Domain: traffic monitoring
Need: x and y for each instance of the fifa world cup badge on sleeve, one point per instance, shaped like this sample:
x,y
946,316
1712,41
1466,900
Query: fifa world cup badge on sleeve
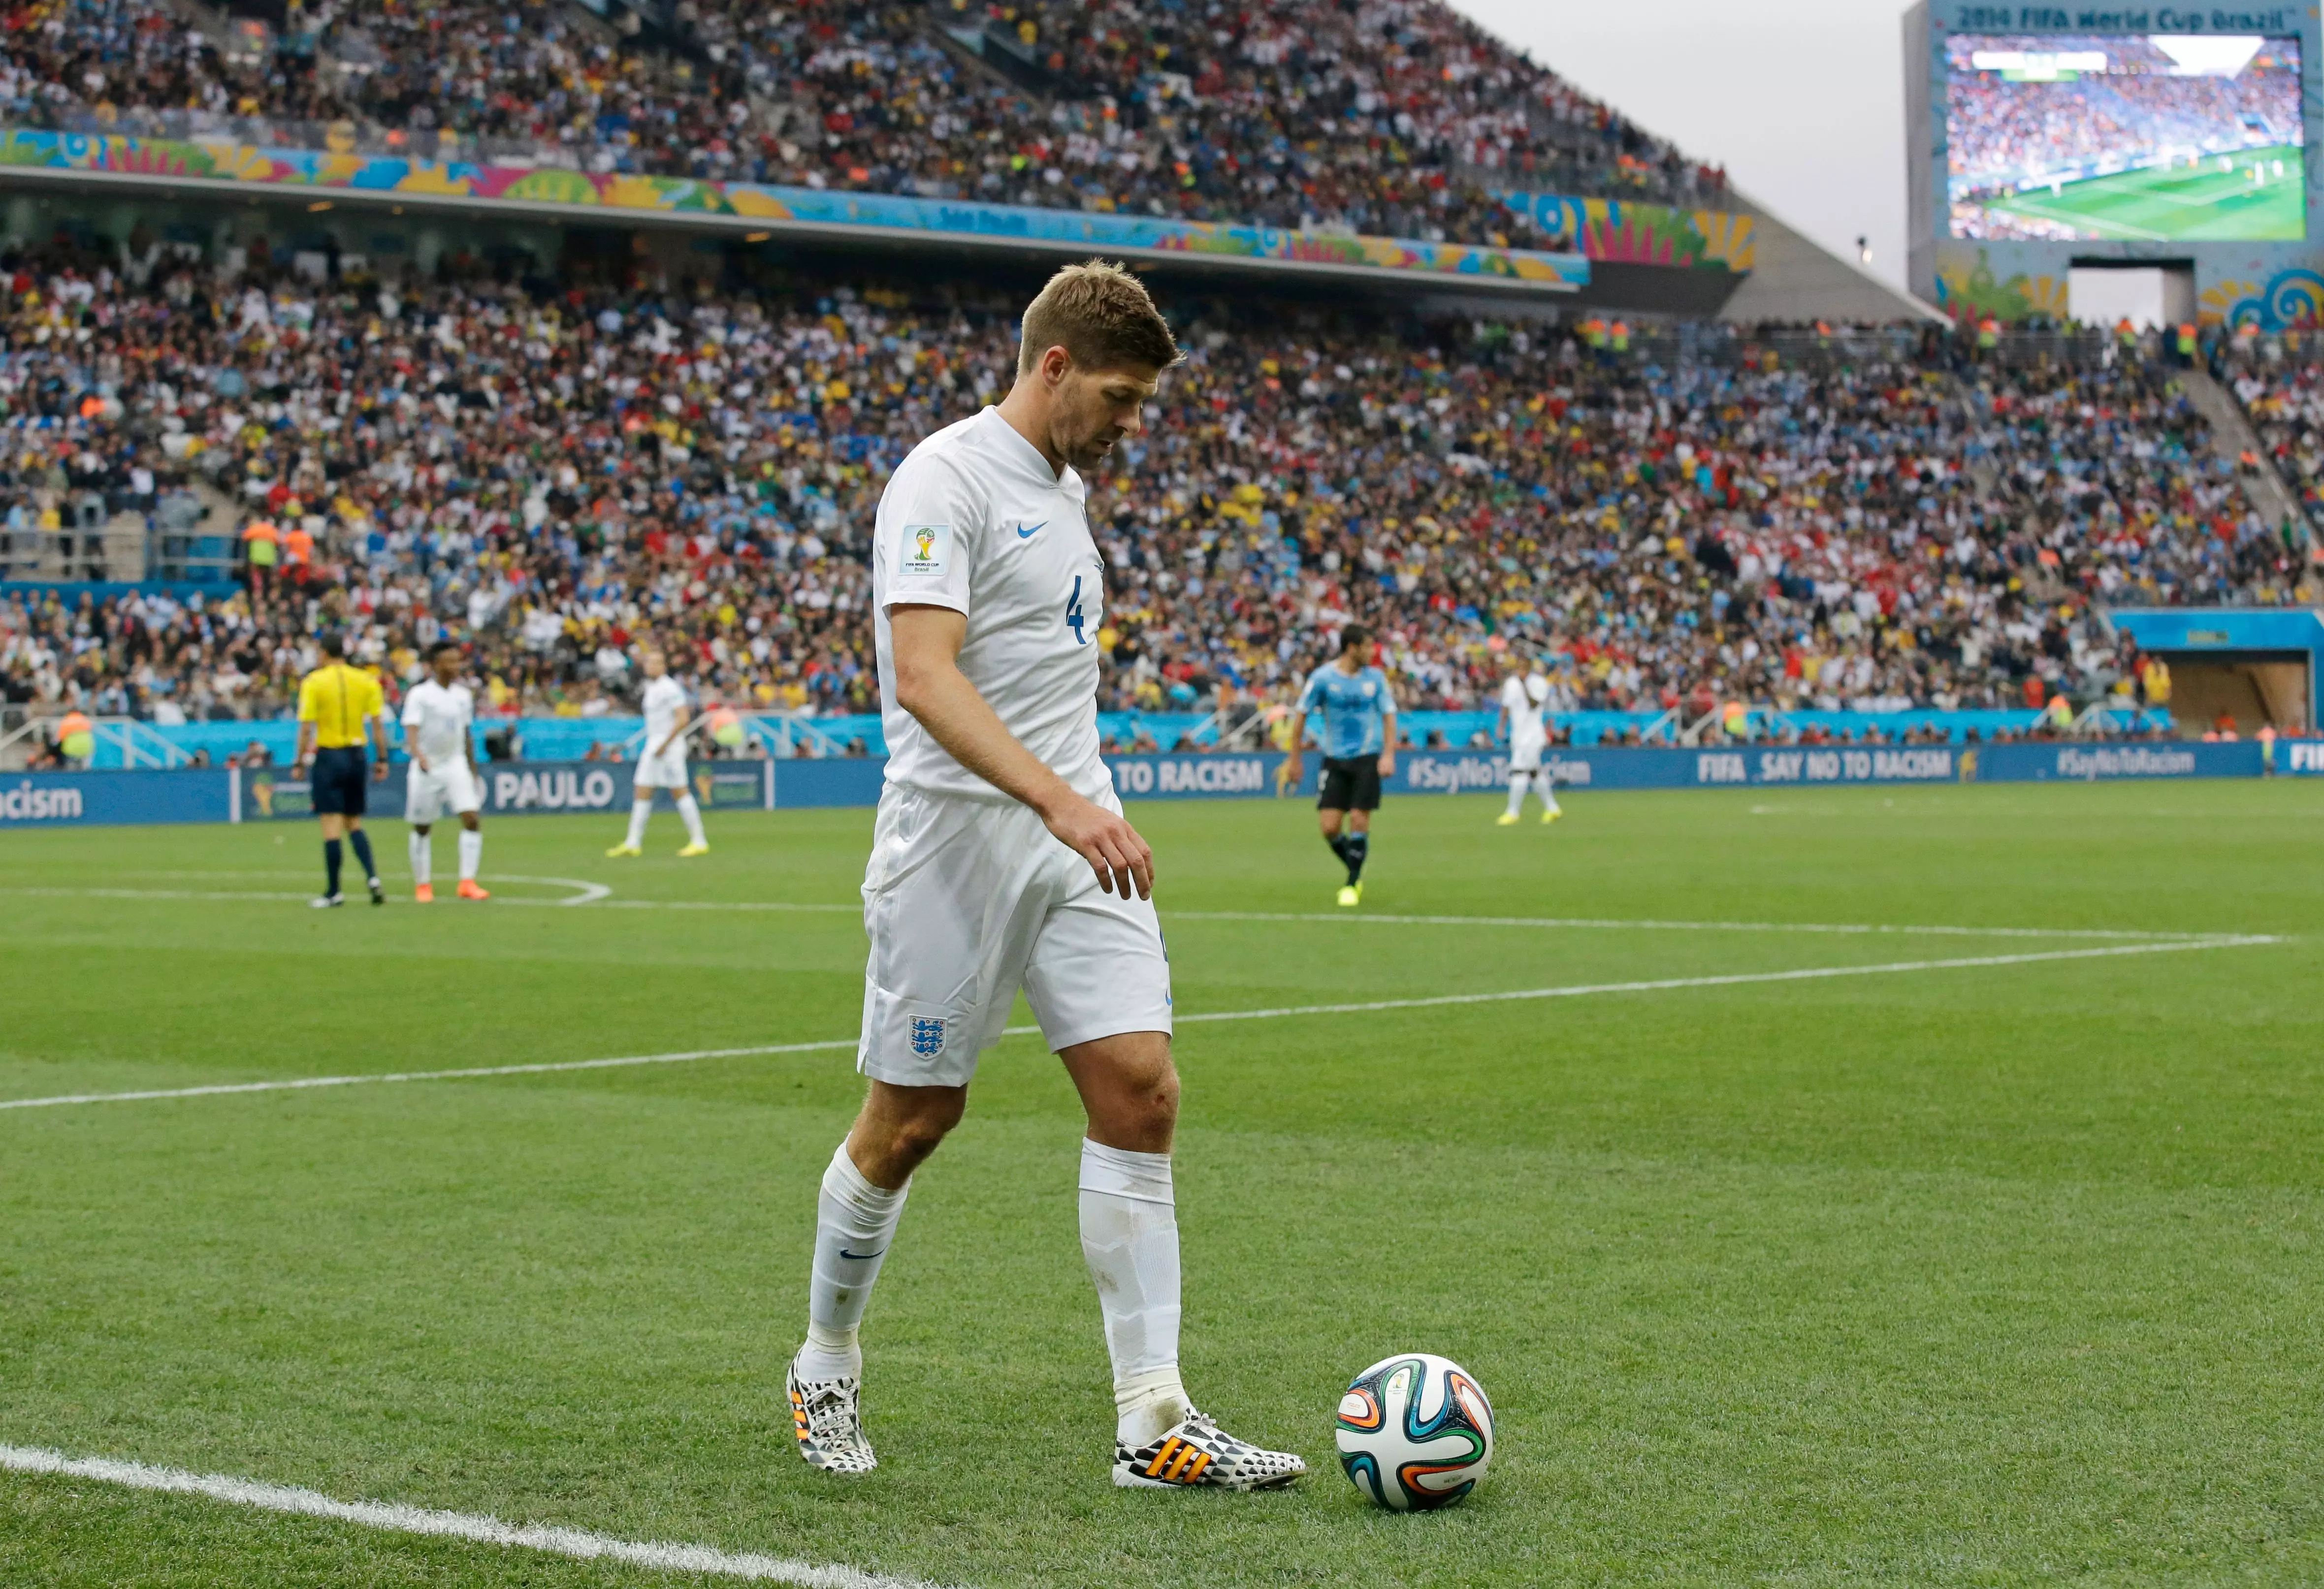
x,y
927,548
927,1034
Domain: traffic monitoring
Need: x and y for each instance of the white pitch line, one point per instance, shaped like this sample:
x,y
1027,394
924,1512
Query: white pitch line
x,y
1664,985
577,1543
1594,924
1600,923
596,901
682,1057
1576,990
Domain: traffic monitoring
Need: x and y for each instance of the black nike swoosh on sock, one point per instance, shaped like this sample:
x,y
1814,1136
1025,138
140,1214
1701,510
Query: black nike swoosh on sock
x,y
859,1256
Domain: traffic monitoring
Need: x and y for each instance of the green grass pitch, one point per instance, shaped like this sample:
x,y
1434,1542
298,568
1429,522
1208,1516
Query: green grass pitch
x,y
1987,1275
2182,203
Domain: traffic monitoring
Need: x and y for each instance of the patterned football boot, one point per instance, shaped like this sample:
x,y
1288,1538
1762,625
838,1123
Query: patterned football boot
x,y
827,1417
1199,1453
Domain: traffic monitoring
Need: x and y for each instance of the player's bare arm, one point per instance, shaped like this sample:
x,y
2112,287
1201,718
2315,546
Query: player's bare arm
x,y
379,748
676,731
305,751
930,685
1387,741
1299,743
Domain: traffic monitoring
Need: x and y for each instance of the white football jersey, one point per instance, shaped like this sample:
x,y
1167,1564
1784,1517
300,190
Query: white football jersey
x,y
1523,698
665,698
436,720
974,520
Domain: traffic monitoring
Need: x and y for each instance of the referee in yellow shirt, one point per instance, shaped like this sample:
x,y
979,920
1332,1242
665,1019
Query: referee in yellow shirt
x,y
336,701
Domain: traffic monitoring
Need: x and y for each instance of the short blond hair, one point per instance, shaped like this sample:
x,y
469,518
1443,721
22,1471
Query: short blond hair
x,y
1101,315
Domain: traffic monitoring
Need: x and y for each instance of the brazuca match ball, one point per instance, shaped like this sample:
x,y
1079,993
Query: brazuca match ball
x,y
1415,1432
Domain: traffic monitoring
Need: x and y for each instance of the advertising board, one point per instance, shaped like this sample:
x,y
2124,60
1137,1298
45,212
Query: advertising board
x,y
37,800
67,800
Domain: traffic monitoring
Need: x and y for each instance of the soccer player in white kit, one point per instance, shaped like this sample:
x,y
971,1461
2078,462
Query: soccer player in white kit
x,y
663,764
1525,694
1001,860
437,715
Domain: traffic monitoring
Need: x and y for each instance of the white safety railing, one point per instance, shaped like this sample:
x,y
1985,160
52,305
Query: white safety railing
x,y
785,734
136,744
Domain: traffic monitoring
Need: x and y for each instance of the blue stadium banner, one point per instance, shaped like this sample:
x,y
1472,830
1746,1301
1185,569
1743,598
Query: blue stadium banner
x,y
513,788
1457,772
31,799
802,782
119,799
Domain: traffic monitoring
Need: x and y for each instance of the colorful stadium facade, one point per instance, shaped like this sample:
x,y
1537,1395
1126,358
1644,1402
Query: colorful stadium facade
x,y
1997,222
1702,243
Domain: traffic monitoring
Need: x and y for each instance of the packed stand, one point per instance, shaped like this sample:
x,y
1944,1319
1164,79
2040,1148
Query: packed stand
x,y
1394,117
60,59
555,480
2275,377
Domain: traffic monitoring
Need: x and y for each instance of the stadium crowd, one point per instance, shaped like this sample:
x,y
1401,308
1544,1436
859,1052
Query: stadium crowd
x,y
2277,380
1394,117
558,479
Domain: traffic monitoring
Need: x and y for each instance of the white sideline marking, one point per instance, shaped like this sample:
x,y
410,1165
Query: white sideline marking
x,y
577,1543
681,1058
1576,990
1595,923
1811,973
599,900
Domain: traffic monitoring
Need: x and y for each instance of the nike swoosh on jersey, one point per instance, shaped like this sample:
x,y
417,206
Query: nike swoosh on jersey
x,y
1027,534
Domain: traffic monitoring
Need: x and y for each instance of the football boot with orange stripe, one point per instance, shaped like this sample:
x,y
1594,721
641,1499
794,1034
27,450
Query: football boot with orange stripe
x,y
1199,1453
827,1415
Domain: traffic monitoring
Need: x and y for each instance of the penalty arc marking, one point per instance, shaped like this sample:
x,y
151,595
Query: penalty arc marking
x,y
1437,1001
393,1518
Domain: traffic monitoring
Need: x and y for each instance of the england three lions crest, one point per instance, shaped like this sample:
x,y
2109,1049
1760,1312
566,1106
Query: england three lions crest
x,y
927,1034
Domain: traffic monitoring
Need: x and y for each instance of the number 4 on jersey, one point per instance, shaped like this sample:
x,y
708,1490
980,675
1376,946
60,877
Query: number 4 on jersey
x,y
1073,619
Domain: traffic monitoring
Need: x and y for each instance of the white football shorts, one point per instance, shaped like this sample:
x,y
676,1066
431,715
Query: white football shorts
x,y
968,900
666,771
1525,755
445,789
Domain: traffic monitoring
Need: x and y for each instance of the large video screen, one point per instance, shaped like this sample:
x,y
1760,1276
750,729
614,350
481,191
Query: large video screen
x,y
2065,137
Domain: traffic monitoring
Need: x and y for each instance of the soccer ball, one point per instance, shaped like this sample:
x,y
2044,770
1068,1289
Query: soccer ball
x,y
1415,1432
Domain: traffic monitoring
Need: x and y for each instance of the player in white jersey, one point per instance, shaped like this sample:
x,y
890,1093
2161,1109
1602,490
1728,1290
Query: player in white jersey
x,y
1002,862
662,766
1525,698
438,713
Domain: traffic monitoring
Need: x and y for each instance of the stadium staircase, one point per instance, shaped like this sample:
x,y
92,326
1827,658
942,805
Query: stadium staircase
x,y
2235,440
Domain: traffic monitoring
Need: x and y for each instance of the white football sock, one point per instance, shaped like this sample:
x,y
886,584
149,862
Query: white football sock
x,y
1545,789
1517,782
638,811
472,850
854,1222
692,812
416,845
1130,1235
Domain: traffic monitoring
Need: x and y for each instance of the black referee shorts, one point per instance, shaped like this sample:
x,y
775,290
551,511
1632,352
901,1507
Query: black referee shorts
x,y
1350,783
338,780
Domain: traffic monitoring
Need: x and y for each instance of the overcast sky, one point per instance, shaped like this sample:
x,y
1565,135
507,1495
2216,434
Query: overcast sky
x,y
1804,105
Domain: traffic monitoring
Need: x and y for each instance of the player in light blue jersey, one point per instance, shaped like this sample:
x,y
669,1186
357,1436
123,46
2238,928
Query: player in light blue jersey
x,y
1359,738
